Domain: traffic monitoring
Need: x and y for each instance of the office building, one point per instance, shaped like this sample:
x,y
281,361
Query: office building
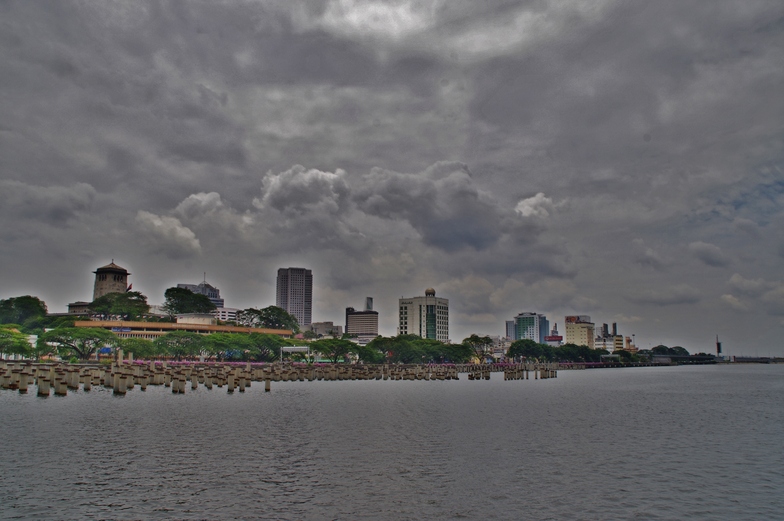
x,y
226,314
322,329
295,294
511,332
532,326
579,330
209,291
362,324
427,317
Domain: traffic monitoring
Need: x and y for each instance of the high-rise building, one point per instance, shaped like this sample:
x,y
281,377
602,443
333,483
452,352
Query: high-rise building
x,y
362,324
426,316
510,330
295,293
110,279
579,330
532,326
209,291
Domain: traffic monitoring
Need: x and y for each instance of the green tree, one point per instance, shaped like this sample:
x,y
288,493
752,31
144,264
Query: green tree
x,y
271,317
81,342
369,354
130,305
182,300
13,342
228,346
333,349
456,354
181,344
37,325
526,348
265,347
17,310
141,348
480,345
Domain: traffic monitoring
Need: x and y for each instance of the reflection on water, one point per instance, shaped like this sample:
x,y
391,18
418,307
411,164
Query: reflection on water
x,y
649,443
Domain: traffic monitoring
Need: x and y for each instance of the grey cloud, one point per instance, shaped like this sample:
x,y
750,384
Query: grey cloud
x,y
709,254
747,226
53,205
298,190
645,256
673,295
657,121
748,287
442,203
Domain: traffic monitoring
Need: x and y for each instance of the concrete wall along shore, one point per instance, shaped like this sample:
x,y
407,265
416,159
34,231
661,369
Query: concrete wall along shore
x,y
126,375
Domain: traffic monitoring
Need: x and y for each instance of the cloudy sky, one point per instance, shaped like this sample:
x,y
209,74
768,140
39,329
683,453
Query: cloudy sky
x,y
620,159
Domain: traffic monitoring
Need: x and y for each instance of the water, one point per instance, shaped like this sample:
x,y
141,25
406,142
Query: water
x,y
649,443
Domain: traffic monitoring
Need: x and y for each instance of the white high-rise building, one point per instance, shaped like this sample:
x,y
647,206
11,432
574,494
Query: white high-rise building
x,y
426,316
295,294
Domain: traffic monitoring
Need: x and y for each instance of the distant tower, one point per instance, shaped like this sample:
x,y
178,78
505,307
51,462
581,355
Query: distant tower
x,y
295,293
110,279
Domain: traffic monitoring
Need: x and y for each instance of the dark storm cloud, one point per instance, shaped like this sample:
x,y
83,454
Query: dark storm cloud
x,y
441,203
52,205
576,150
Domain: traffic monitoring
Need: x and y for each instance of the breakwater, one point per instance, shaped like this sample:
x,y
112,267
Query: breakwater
x,y
127,375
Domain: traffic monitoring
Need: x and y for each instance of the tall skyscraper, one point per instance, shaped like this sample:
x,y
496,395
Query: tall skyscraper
x,y
426,316
295,294
110,279
362,324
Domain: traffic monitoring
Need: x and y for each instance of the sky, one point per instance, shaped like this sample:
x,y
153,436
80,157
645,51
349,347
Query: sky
x,y
618,159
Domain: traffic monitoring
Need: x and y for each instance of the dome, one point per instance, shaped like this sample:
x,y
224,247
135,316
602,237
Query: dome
x,y
430,292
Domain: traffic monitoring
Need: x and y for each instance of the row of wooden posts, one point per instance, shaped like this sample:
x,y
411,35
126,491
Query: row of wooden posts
x,y
124,376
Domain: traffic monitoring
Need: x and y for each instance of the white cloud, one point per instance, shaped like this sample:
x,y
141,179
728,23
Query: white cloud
x,y
167,235
734,302
536,206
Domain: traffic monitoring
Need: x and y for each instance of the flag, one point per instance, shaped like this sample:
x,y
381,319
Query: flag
x,y
129,287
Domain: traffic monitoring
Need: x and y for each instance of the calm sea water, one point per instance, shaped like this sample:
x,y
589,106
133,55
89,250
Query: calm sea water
x,y
649,443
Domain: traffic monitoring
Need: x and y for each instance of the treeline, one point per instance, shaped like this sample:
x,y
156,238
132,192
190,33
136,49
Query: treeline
x,y
528,349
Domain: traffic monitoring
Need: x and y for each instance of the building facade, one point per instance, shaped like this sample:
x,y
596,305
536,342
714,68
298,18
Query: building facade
x,y
510,330
427,317
295,294
362,324
209,291
226,314
532,326
326,329
579,330
110,279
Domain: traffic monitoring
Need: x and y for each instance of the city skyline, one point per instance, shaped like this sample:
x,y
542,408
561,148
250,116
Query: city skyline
x,y
621,159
